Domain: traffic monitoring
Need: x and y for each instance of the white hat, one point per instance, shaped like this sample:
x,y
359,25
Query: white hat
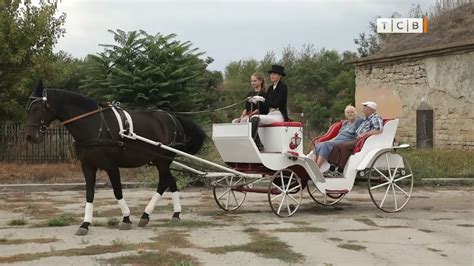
x,y
370,104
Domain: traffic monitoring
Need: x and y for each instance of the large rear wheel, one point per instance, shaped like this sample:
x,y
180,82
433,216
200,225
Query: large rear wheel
x,y
390,181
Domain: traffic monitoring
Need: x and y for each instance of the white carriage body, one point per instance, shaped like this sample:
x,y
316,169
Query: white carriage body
x,y
235,145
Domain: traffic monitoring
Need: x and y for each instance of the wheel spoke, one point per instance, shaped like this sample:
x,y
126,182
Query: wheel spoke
x,y
388,179
227,201
223,193
401,190
294,188
281,204
388,166
385,196
380,185
289,181
291,197
220,180
403,177
288,206
279,195
235,198
282,181
394,197
396,168
273,184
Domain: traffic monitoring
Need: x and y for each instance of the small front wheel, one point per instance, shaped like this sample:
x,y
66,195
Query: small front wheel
x,y
285,193
225,193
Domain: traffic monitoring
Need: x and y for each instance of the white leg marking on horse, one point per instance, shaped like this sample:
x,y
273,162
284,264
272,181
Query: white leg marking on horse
x,y
151,205
123,206
176,203
88,212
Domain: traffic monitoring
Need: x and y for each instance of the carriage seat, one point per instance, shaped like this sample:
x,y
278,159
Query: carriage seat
x,y
334,130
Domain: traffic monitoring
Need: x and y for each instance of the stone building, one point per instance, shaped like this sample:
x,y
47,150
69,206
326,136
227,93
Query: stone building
x,y
416,73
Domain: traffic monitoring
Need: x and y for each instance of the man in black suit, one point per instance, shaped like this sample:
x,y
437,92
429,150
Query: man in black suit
x,y
276,99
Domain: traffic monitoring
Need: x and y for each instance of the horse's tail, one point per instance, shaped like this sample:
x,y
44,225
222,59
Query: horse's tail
x,y
195,136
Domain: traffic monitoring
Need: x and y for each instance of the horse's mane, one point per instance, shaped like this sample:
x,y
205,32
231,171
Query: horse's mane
x,y
69,97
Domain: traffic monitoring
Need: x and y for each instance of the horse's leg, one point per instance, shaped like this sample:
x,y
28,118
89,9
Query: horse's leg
x,y
163,184
90,176
175,198
114,175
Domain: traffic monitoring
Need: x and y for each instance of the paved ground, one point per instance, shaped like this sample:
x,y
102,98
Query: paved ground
x,y
435,228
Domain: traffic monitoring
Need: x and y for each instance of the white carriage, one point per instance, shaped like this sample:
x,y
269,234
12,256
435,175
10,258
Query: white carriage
x,y
283,171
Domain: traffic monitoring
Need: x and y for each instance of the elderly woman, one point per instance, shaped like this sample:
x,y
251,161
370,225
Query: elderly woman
x,y
346,133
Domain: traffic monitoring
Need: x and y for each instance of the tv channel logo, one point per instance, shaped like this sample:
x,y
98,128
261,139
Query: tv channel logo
x,y
402,25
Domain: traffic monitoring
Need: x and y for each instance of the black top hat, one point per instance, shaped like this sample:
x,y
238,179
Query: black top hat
x,y
277,69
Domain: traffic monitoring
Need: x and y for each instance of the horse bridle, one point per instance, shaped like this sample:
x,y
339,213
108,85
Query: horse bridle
x,y
44,104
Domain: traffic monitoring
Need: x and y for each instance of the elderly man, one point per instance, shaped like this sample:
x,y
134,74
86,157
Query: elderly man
x,y
372,125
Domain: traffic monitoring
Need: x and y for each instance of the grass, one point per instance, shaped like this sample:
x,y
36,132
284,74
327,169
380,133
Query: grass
x,y
354,247
426,230
5,241
64,219
366,221
170,239
466,225
304,229
336,239
265,246
190,224
440,163
152,258
17,222
113,221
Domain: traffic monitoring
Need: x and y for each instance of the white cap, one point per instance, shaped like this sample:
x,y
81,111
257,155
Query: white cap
x,y
370,104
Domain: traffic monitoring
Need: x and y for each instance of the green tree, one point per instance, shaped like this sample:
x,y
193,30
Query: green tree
x,y
154,71
28,34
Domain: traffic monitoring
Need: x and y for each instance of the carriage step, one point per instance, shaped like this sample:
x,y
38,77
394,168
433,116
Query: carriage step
x,y
337,191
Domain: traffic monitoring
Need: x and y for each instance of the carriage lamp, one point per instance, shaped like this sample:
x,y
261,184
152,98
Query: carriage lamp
x,y
295,141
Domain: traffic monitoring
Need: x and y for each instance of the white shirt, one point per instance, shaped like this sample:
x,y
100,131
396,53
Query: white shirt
x,y
275,85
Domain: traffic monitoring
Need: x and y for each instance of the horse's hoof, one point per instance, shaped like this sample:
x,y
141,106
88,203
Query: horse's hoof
x,y
82,231
143,222
125,226
175,216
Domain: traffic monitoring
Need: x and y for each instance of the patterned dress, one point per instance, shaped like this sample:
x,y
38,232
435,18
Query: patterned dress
x,y
346,133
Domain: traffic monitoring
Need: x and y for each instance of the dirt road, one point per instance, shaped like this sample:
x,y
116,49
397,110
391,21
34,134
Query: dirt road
x,y
435,228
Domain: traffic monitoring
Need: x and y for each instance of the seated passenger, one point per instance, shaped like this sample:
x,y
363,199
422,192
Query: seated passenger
x,y
257,81
346,133
372,125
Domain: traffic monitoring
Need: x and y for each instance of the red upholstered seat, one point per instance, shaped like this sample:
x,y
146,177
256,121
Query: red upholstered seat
x,y
284,124
334,130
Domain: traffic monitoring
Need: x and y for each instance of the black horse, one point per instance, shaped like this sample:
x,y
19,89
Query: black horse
x,y
98,144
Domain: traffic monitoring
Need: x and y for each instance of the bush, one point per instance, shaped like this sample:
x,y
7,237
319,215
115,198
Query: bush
x,y
17,222
62,220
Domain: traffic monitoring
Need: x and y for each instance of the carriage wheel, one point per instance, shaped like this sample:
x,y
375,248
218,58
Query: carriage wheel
x,y
225,196
390,181
325,199
285,193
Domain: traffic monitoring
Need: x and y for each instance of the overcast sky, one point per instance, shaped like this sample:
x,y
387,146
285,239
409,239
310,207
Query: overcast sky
x,y
227,30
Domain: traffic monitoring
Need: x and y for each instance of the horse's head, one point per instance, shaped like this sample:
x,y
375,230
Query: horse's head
x,y
40,115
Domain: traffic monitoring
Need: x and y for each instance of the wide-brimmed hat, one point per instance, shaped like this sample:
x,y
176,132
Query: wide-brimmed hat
x,y
277,69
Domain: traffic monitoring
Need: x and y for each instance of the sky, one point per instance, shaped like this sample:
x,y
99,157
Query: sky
x,y
227,30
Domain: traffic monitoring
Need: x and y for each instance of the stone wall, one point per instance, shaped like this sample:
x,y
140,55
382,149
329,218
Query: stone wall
x,y
445,82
